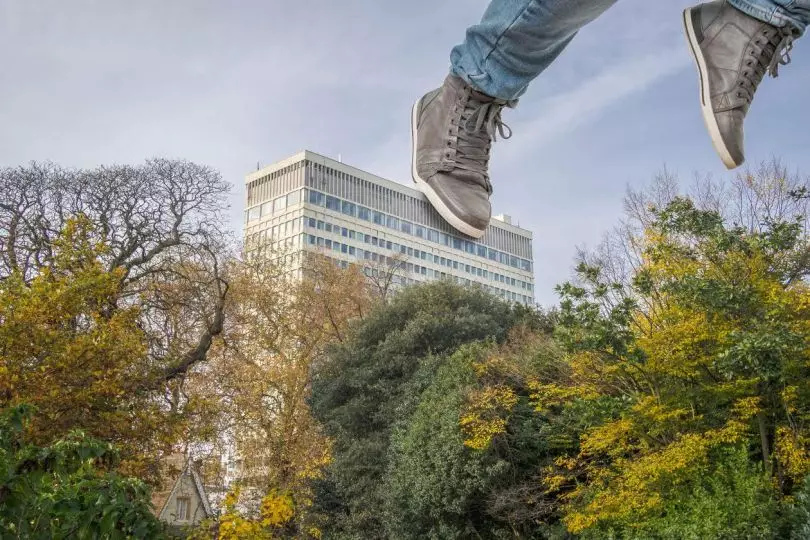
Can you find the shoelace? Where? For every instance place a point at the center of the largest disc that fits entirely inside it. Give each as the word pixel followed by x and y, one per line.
pixel 768 56
pixel 479 124
pixel 782 55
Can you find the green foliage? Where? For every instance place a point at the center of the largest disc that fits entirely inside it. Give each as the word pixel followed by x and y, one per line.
pixel 375 379
pixel 731 500
pixel 673 404
pixel 797 514
pixel 436 485
pixel 66 490
pixel 66 349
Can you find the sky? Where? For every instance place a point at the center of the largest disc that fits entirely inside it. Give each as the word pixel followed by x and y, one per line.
pixel 232 84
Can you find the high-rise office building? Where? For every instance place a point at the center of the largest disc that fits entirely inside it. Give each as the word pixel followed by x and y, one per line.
pixel 311 203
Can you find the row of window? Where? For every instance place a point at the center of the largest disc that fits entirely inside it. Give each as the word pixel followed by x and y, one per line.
pixel 414 269
pixel 321 225
pixel 292 227
pixel 392 222
pixel 279 204
pixel 414 208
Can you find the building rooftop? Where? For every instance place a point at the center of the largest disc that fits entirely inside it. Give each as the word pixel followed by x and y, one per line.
pixel 503 221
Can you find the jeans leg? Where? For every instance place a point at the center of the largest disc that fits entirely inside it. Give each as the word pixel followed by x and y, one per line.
pixel 518 39
pixel 777 12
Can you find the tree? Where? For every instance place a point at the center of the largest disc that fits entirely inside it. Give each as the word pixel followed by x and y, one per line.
pixel 160 223
pixel 715 360
pixel 277 328
pixel 81 364
pixel 374 378
pixel 385 275
pixel 67 489
pixel 465 464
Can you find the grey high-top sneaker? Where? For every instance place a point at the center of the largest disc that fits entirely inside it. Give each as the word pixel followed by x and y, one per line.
pixel 733 51
pixel 452 131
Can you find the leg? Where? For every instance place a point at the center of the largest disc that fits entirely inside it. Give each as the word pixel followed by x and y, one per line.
pixel 517 40
pixel 779 13
pixel 453 127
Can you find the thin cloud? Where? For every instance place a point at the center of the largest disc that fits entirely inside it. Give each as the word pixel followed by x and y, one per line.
pixel 568 110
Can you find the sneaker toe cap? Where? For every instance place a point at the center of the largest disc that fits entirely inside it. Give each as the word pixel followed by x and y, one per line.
pixel 468 202
pixel 730 124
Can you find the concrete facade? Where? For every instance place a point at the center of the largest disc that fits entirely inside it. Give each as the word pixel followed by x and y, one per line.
pixel 311 203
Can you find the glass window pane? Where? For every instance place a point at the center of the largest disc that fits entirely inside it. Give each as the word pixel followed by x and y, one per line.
pixel 317 198
pixel 406 227
pixel 332 203
pixel 254 213
pixel 293 198
pixel 378 218
pixel 267 209
pixel 364 213
pixel 350 209
pixel 391 222
pixel 420 231
pixel 279 204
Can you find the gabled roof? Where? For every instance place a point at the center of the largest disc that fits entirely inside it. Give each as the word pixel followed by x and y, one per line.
pixel 159 499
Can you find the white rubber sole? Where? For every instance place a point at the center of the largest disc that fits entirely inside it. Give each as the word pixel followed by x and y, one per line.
pixel 705 93
pixel 432 196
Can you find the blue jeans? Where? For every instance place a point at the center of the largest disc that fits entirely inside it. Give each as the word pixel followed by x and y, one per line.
pixel 518 39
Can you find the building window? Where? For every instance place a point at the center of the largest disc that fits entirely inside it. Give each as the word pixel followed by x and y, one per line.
pixel 183 511
pixel 317 198
pixel 332 203
pixel 348 208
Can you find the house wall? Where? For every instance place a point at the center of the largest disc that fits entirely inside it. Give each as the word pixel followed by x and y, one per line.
pixel 184 488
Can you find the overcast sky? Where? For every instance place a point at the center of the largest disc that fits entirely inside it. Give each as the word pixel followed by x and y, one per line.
pixel 230 84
